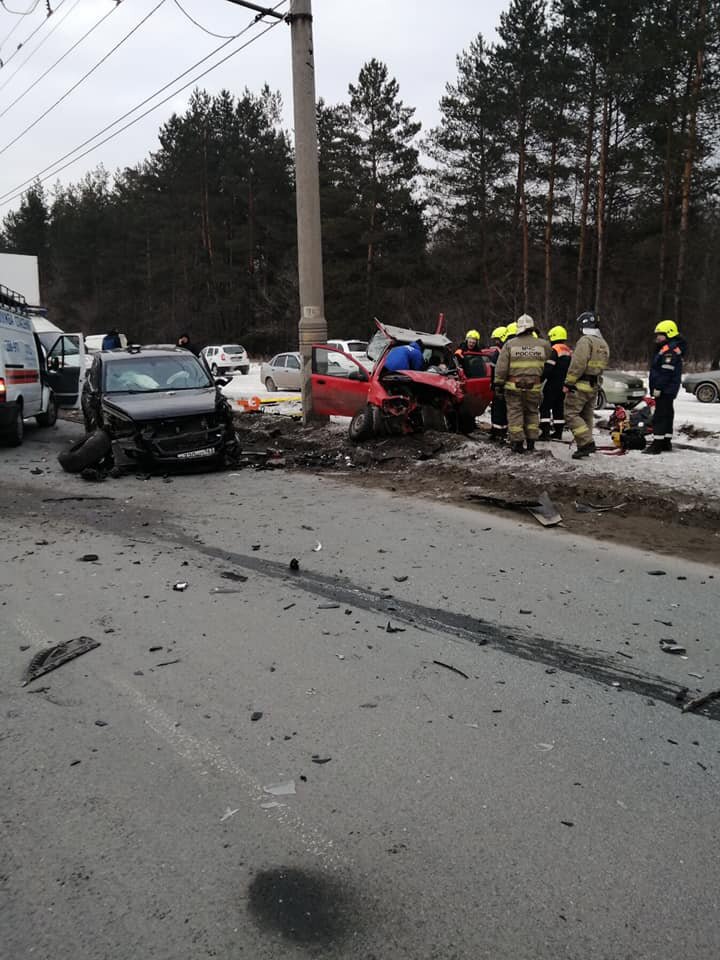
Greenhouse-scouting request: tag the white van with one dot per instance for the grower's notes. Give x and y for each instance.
(36, 376)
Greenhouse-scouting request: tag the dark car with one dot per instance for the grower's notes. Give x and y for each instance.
(152, 405)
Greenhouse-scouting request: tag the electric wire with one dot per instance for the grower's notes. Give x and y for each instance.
(60, 59)
(219, 36)
(82, 79)
(17, 23)
(58, 23)
(27, 39)
(21, 13)
(18, 192)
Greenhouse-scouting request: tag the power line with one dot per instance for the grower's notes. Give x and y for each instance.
(21, 13)
(60, 59)
(81, 80)
(23, 43)
(219, 36)
(19, 191)
(21, 17)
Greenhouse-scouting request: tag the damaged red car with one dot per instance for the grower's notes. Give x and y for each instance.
(447, 395)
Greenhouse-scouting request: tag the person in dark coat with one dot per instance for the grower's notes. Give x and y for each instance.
(665, 378)
(184, 341)
(552, 408)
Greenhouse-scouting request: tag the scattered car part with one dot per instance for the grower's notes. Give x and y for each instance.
(448, 666)
(54, 657)
(87, 452)
(701, 700)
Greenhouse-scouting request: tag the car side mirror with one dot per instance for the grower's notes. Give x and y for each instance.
(54, 363)
(358, 375)
(222, 381)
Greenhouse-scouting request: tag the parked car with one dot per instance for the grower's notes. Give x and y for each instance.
(444, 395)
(357, 349)
(705, 386)
(152, 406)
(620, 388)
(226, 358)
(283, 371)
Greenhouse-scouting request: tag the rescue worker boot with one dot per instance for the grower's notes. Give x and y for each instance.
(667, 445)
(584, 451)
(544, 432)
(517, 446)
(530, 445)
(557, 431)
(657, 446)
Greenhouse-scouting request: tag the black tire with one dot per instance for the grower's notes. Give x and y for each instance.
(601, 401)
(15, 435)
(706, 392)
(244, 371)
(87, 452)
(49, 418)
(362, 425)
(270, 385)
(466, 422)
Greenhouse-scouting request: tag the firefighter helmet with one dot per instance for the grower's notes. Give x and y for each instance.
(499, 333)
(556, 334)
(668, 328)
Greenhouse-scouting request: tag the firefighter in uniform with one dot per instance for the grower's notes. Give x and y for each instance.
(498, 408)
(590, 359)
(552, 408)
(471, 344)
(665, 378)
(518, 376)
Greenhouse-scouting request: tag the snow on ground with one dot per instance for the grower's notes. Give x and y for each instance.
(684, 471)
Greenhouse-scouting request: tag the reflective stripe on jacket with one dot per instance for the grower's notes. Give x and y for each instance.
(522, 361)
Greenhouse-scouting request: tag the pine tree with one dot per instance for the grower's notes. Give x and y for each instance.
(389, 169)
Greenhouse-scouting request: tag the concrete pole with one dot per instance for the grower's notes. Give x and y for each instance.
(313, 325)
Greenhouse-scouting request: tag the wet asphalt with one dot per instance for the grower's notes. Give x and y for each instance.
(446, 735)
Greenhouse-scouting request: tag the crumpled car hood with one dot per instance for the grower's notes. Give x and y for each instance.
(161, 406)
(435, 380)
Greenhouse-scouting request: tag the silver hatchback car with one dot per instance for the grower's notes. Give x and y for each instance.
(705, 386)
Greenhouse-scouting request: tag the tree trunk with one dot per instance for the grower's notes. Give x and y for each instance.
(549, 228)
(667, 179)
(690, 156)
(521, 215)
(589, 139)
(600, 213)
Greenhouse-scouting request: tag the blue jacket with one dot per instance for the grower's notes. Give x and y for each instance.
(666, 367)
(406, 357)
(111, 341)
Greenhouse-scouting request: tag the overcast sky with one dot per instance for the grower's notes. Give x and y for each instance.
(418, 39)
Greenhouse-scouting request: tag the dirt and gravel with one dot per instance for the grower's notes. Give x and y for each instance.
(673, 517)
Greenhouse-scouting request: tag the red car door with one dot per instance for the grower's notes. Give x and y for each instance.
(476, 382)
(339, 383)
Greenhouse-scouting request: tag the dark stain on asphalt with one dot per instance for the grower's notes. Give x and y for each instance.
(306, 907)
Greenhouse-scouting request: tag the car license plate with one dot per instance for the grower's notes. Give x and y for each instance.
(194, 454)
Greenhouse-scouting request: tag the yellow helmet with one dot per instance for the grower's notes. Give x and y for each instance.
(669, 328)
(511, 330)
(557, 333)
(499, 333)
(472, 335)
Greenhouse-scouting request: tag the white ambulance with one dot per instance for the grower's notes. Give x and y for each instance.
(36, 376)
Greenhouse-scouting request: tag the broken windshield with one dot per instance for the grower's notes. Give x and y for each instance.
(138, 374)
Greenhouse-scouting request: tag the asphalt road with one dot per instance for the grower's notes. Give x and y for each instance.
(555, 802)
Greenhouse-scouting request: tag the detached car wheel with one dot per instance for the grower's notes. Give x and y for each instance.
(15, 435)
(87, 452)
(362, 425)
(707, 393)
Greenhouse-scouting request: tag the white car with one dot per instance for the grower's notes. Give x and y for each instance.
(356, 348)
(226, 358)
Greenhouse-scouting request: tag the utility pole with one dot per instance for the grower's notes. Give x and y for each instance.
(312, 324)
